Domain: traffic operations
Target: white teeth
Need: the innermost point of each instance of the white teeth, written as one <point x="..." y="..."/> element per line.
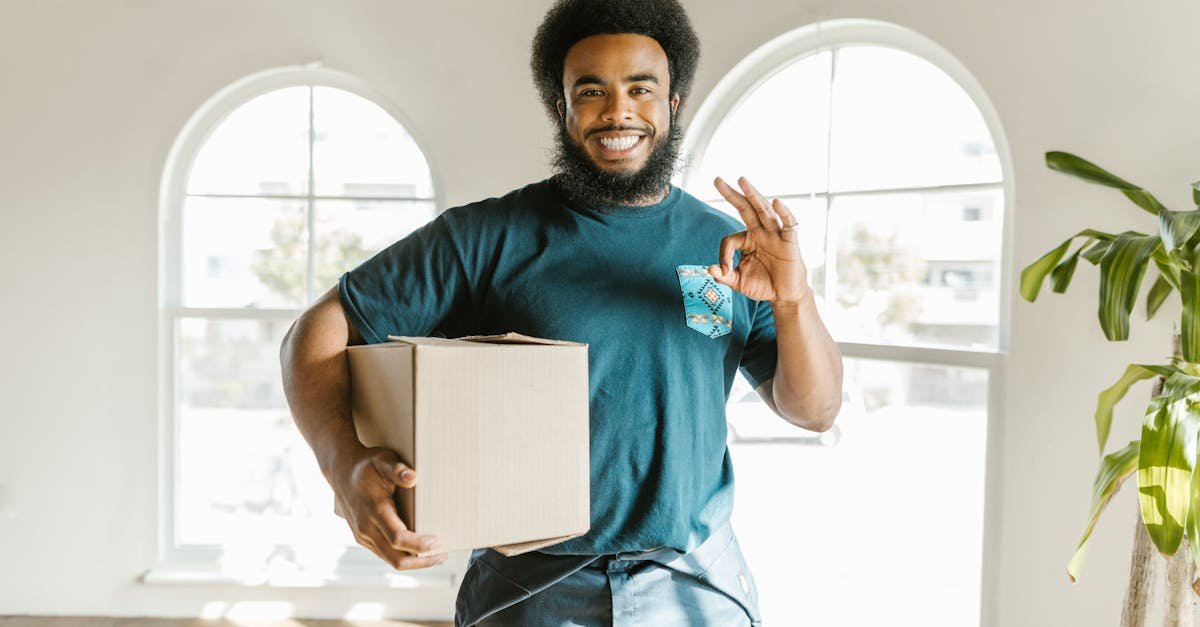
<point x="619" y="144"/>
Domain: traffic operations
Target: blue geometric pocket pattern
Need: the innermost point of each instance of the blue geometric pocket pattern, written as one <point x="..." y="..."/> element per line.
<point x="707" y="305"/>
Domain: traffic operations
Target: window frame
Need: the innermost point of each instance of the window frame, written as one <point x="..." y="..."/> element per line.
<point x="193" y="564"/>
<point x="764" y="63"/>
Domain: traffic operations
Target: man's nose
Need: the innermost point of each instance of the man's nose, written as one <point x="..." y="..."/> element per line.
<point x="617" y="106"/>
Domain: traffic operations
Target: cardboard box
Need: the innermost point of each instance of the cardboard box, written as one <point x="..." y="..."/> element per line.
<point x="496" y="428"/>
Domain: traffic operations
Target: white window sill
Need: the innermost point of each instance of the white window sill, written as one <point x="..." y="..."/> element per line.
<point x="182" y="573"/>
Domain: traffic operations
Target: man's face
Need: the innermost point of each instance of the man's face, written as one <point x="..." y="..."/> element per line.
<point x="617" y="106"/>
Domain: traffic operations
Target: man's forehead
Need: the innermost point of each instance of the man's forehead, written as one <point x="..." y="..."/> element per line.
<point x="615" y="56"/>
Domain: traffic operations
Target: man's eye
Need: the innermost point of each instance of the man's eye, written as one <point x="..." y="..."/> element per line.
<point x="639" y="90"/>
<point x="591" y="92"/>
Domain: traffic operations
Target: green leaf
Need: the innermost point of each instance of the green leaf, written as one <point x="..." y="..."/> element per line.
<point x="1096" y="252"/>
<point x="1061" y="275"/>
<point x="1068" y="163"/>
<point x="1114" y="470"/>
<point x="1193" y="521"/>
<point x="1121" y="272"/>
<point x="1117" y="391"/>
<point x="1145" y="200"/>
<point x="1189" y="291"/>
<point x="1182" y="384"/>
<point x="1196" y="193"/>
<point x="1158" y="294"/>
<point x="1035" y="273"/>
<point x="1165" y="464"/>
<point x="1167" y="267"/>
<point x="1177" y="227"/>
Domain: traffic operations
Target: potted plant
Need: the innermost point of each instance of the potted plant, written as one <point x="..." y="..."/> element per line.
<point x="1164" y="458"/>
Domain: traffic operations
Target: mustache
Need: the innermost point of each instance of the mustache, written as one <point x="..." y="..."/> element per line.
<point x="617" y="128"/>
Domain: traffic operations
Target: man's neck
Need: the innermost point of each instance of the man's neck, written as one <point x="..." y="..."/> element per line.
<point x="651" y="200"/>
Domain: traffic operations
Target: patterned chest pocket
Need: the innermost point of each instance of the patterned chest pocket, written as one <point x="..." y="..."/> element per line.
<point x="707" y="305"/>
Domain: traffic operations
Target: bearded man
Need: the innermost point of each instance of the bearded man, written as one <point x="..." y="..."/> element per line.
<point x="672" y="297"/>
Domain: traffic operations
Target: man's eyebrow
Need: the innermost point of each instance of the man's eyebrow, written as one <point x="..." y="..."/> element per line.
<point x="587" y="79"/>
<point x="644" y="77"/>
<point x="592" y="79"/>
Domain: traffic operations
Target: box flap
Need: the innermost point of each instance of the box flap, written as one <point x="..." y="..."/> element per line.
<point x="517" y="548"/>
<point x="513" y="337"/>
<point x="424" y="341"/>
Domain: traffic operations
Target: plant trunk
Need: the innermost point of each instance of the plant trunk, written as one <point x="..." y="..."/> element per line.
<point x="1141" y="577"/>
<point x="1181" y="570"/>
<point x="1181" y="600"/>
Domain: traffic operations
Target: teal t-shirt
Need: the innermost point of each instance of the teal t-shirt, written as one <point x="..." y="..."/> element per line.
<point x="665" y="340"/>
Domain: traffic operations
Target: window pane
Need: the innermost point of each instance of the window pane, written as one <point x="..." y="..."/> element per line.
<point x="350" y="232"/>
<point x="244" y="252"/>
<point x="896" y="505"/>
<point x="360" y="150"/>
<point x="245" y="473"/>
<point x="260" y="148"/>
<point x="901" y="122"/>
<point x="810" y="213"/>
<point x="916" y="269"/>
<point x="777" y="137"/>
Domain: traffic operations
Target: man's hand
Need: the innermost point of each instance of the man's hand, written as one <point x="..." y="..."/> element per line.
<point x="771" y="267"/>
<point x="364" y="485"/>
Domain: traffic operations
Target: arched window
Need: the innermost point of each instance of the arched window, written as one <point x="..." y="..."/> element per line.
<point x="277" y="185"/>
<point x="892" y="159"/>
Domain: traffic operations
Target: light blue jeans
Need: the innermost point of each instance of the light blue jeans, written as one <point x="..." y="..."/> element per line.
<point x="710" y="585"/>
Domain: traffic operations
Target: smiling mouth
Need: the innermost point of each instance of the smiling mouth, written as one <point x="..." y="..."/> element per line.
<point x="621" y="145"/>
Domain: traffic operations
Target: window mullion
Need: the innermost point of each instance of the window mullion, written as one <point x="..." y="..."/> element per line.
<point x="309" y="203"/>
<point x="955" y="357"/>
<point x="246" y="313"/>
<point x="827" y="276"/>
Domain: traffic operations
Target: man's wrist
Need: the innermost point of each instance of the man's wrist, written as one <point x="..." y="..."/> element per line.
<point x="794" y="305"/>
<point x="340" y="459"/>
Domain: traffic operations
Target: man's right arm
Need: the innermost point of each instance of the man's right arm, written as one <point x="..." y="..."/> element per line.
<point x="316" y="381"/>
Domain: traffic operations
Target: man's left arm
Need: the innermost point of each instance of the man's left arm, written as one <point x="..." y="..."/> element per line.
<point x="806" y="389"/>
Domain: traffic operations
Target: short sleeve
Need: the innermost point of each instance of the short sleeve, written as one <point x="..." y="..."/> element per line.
<point x="761" y="352"/>
<point x="411" y="288"/>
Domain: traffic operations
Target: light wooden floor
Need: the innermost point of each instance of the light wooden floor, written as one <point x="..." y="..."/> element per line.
<point x="103" y="621"/>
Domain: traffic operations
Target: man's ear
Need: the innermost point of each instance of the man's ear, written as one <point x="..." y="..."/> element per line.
<point x="562" y="111"/>
<point x="674" y="103"/>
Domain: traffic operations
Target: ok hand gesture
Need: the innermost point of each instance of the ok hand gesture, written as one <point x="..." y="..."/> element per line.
<point x="771" y="267"/>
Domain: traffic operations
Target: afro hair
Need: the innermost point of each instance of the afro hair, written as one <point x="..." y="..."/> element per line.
<point x="569" y="21"/>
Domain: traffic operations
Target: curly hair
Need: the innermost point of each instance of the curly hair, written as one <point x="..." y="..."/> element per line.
<point x="569" y="21"/>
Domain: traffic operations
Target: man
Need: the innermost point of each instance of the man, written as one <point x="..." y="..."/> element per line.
<point x="671" y="295"/>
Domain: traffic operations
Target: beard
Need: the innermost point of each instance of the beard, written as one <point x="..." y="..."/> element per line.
<point x="586" y="183"/>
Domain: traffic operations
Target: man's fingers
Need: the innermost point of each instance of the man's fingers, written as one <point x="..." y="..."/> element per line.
<point x="739" y="202"/>
<point x="726" y="273"/>
<point x="395" y="558"/>
<point x="405" y="540"/>
<point x="396" y="533"/>
<point x="730" y="278"/>
<point x="766" y="216"/>
<point x="409" y="562"/>
<point x="395" y="472"/>
<point x="784" y="213"/>
<point x="730" y="244"/>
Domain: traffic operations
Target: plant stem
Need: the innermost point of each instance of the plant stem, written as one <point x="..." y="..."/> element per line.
<point x="1181" y="600"/>
<point x="1141" y="577"/>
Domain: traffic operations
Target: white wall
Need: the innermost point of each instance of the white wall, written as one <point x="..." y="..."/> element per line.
<point x="93" y="94"/>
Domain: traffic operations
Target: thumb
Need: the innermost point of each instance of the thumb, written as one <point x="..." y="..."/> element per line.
<point x="395" y="472"/>
<point x="720" y="276"/>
